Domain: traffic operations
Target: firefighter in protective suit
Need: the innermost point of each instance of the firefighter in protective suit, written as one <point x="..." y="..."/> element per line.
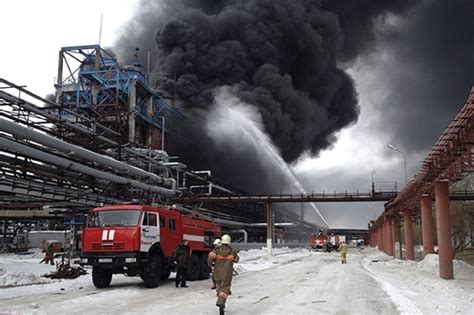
<point x="49" y="255"/>
<point x="217" y="243"/>
<point x="343" y="250"/>
<point x="223" y="258"/>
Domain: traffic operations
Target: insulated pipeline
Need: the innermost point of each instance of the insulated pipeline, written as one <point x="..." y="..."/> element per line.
<point x="53" y="159"/>
<point x="49" y="141"/>
<point x="77" y="127"/>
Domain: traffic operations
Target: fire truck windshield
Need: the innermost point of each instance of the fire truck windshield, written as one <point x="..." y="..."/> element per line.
<point x="114" y="218"/>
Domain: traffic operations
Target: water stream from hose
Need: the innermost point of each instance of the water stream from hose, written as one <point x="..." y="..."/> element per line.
<point x="231" y="118"/>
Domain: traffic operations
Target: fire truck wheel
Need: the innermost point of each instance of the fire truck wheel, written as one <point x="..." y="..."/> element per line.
<point x="194" y="267"/>
<point x="152" y="272"/>
<point x="165" y="273"/>
<point x="101" y="277"/>
<point x="205" y="271"/>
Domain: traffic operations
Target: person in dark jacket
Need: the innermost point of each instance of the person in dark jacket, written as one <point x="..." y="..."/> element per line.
<point x="182" y="258"/>
<point x="223" y="258"/>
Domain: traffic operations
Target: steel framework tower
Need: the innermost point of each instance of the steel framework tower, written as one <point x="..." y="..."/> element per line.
<point x="92" y="83"/>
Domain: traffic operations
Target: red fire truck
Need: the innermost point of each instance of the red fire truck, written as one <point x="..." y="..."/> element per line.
<point x="325" y="240"/>
<point x="319" y="241"/>
<point x="140" y="240"/>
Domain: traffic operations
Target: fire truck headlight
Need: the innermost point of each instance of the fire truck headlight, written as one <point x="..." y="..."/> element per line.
<point x="84" y="260"/>
<point x="130" y="260"/>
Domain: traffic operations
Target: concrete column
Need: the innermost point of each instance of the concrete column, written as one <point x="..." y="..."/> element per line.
<point x="408" y="235"/>
<point x="443" y="224"/>
<point x="427" y="225"/>
<point x="5" y="230"/>
<point x="269" y="229"/>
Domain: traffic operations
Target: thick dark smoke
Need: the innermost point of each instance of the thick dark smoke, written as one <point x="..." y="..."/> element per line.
<point x="360" y="19"/>
<point x="280" y="56"/>
<point x="429" y="72"/>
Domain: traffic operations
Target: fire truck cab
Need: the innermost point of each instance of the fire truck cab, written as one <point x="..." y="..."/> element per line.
<point x="325" y="241"/>
<point x="319" y="242"/>
<point x="139" y="240"/>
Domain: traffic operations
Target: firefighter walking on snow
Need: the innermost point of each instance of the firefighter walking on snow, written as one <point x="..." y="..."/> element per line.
<point x="343" y="250"/>
<point x="223" y="258"/>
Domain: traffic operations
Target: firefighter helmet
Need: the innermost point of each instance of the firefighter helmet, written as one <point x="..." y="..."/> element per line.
<point x="225" y="239"/>
<point x="217" y="242"/>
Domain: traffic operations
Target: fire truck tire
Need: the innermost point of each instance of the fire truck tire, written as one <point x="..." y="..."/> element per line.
<point x="165" y="273"/>
<point x="205" y="271"/>
<point x="152" y="272"/>
<point x="194" y="267"/>
<point x="101" y="277"/>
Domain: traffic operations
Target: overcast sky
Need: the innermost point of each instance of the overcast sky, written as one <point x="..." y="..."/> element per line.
<point x="33" y="32"/>
<point x="411" y="80"/>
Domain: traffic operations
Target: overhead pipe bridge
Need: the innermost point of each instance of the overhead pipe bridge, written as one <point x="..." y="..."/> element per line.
<point x="450" y="160"/>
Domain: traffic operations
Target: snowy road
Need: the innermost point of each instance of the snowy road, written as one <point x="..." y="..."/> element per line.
<point x="293" y="282"/>
<point x="316" y="284"/>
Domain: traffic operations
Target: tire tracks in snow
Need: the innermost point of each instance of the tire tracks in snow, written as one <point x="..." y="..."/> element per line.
<point x="404" y="304"/>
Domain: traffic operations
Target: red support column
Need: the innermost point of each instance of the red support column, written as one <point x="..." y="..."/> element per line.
<point x="408" y="235"/>
<point x="427" y="224"/>
<point x="391" y="242"/>
<point x="443" y="224"/>
<point x="376" y="235"/>
<point x="384" y="238"/>
<point x="371" y="238"/>
<point x="381" y="237"/>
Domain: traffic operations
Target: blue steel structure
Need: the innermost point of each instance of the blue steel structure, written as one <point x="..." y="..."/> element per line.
<point x="91" y="82"/>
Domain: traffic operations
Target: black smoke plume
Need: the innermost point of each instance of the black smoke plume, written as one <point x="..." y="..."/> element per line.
<point x="429" y="73"/>
<point x="280" y="56"/>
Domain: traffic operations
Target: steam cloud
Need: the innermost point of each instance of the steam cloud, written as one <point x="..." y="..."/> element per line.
<point x="280" y="56"/>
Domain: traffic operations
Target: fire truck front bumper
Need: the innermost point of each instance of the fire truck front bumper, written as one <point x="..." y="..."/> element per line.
<point x="111" y="260"/>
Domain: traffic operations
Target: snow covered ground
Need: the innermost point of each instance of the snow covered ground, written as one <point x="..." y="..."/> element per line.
<point x="293" y="281"/>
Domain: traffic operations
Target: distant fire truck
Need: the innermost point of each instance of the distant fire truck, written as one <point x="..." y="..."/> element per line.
<point x="139" y="240"/>
<point x="325" y="240"/>
<point x="319" y="241"/>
